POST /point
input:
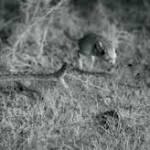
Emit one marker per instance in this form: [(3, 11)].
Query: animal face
[(96, 46), (99, 49), (106, 51)]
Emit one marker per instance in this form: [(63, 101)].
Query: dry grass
[(65, 118)]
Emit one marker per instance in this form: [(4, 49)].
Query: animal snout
[(113, 61)]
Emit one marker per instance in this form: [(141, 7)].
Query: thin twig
[(33, 76), (102, 73)]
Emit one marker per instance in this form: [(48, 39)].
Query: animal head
[(105, 49), (92, 44)]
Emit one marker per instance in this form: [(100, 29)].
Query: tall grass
[(70, 119)]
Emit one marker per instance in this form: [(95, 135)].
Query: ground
[(41, 114)]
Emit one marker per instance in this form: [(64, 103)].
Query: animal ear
[(99, 48), (100, 44)]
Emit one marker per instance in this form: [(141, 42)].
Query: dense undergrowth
[(38, 36)]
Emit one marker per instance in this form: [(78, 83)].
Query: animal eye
[(129, 65), (102, 52)]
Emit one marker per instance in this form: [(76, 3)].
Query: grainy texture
[(48, 105)]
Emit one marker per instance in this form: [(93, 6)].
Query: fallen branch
[(130, 86), (50, 76), (34, 76), (102, 74)]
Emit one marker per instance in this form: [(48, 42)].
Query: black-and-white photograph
[(74, 74)]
